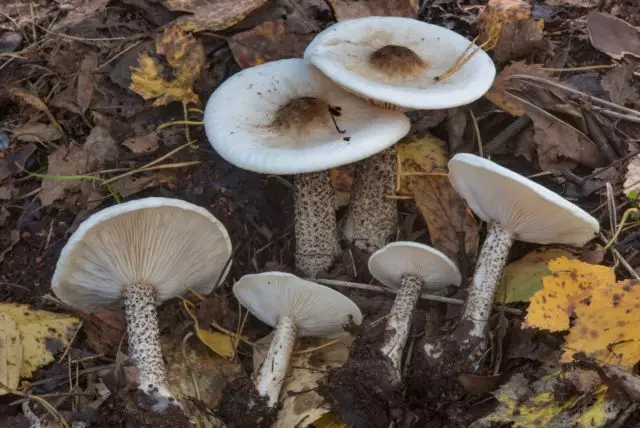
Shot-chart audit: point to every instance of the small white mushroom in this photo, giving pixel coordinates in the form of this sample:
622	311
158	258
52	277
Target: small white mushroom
413	268
516	209
143	252
294	307
285	117
393	62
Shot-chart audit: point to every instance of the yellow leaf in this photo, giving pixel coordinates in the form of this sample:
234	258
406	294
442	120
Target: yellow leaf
220	343
10	353
42	334
606	327
427	154
184	54
329	421
570	283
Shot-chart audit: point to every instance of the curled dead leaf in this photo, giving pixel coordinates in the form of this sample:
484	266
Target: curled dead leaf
37	132
214	15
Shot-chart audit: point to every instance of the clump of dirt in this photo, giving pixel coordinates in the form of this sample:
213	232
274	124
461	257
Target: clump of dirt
115	413
242	407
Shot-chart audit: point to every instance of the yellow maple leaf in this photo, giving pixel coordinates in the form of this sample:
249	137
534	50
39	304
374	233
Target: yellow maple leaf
570	283
184	54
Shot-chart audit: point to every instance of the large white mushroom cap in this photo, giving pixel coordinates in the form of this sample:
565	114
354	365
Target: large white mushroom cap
391	262
168	243
248	124
344	52
529	211
316	310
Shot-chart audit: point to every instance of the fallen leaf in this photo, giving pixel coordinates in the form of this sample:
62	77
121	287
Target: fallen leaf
424	155
612	35
8	192
10	353
184	54
348	9
329	420
100	147
572	3
631	184
268	41
497	93
104	330
522	278
8	162
570	283
212	15
131	185
84	87
452	228
79	11
37	132
64	162
619	84
29	99
42	334
147	143
220	343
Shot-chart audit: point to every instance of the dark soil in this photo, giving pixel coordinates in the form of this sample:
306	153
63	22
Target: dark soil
117	413
242	407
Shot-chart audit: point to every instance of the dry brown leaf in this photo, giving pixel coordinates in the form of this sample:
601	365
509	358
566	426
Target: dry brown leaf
449	221
65	161
7	192
143	143
29	99
267	42
131	185
572	3
78	11
8	162
612	35
212	15
100	147
632	178
619	84
37	132
84	87
348	9
497	94
104	330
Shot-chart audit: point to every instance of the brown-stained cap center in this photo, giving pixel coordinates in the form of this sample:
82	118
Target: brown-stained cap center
301	115
393	60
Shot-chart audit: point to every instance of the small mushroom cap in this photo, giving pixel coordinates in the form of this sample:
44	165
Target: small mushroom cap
343	52
240	115
170	244
316	310
396	259
531	212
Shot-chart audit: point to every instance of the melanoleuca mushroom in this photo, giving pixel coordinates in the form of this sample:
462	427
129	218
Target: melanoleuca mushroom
294	307
285	117
143	252
393	62
516	209
412	268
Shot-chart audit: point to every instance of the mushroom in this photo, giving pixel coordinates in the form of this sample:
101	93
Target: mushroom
294	307
411	267
143	252
285	117
516	209
394	62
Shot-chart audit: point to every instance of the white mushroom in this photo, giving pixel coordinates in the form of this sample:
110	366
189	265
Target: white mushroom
393	62
143	252
411	267
295	307
285	117
517	209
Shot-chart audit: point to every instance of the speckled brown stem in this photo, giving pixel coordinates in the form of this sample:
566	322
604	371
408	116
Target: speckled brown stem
399	320
315	223
275	365
491	262
372	216
144	344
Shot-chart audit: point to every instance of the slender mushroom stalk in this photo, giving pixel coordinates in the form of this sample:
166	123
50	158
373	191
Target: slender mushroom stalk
142	253
411	267
372	216
516	209
315	223
294	307
276	364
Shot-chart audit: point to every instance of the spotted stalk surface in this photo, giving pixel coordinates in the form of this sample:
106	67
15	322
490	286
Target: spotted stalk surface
372	216
399	320
315	223
275	365
491	262
144	344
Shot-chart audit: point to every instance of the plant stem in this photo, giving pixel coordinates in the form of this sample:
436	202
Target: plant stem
275	365
144	344
315	223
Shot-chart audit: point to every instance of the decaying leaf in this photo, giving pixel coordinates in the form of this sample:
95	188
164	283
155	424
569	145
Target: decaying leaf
328	420
64	162
632	177
100	147
572	3
268	41
84	87
570	283
220	343
37	132
612	35
78	11
133	184
41	334
8	163
522	278
104	330
349	9
497	93
10	353
212	15
184	54
424	155
147	143
620	85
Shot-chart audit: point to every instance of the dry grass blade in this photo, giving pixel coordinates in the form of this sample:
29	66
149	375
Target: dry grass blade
461	60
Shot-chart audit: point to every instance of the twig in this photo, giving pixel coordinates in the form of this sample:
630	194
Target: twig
44	403
583	68
506	134
75	333
625	216
183	349
476	130
621	259
118	55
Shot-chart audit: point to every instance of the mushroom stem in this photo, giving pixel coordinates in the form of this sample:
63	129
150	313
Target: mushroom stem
275	365
144	344
491	262
399	319
315	223
372	216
